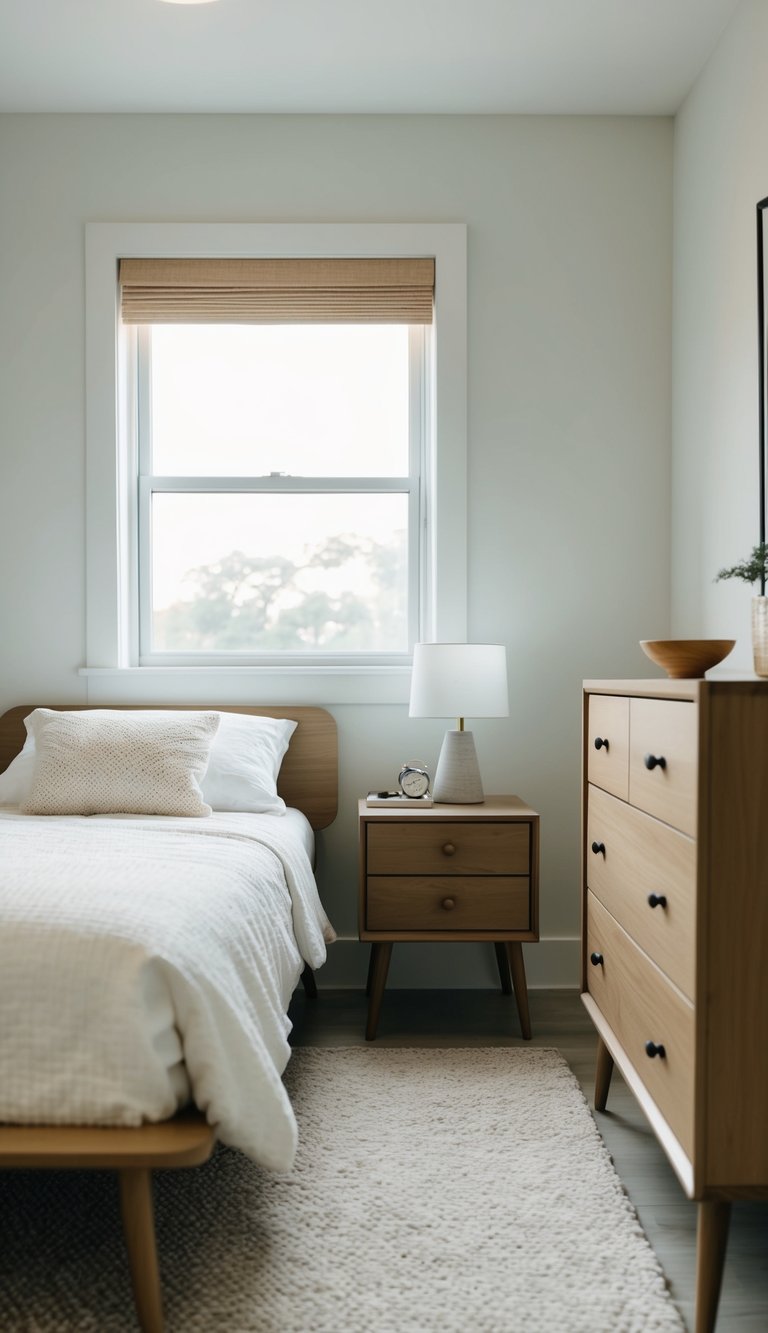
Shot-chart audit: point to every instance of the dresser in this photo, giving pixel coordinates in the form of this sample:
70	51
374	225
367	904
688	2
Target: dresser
675	930
450	873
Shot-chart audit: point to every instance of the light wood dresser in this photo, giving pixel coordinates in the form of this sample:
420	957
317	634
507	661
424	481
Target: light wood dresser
450	873
675	930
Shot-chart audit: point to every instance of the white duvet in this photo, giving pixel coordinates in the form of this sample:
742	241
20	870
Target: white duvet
144	961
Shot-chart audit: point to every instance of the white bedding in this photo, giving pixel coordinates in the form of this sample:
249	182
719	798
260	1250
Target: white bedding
144	960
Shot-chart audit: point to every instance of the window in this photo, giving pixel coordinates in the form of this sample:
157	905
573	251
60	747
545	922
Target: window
189	420
280	488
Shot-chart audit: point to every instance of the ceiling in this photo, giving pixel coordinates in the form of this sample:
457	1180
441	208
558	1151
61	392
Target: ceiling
353	56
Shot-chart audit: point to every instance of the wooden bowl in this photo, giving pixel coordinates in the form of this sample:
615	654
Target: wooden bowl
686	659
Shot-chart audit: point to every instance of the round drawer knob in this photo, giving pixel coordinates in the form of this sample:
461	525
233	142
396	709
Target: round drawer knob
598	847
596	959
449	849
652	761
601	743
652	1050
657	900
448	904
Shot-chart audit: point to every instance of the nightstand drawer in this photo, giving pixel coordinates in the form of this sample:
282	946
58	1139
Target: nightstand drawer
663	760
642	1006
644	872
607	742
433	847
448	903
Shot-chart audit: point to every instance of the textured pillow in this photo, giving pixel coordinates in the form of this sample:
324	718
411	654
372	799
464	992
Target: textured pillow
102	762
245	763
242	772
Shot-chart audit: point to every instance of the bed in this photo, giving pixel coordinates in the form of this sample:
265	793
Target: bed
209	1066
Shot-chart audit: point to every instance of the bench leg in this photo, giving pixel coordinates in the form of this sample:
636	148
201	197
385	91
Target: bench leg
139	1231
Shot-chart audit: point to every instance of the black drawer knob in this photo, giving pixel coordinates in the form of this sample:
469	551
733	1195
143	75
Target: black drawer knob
449	849
596	959
601	743
657	900
652	1049
652	761
598	847
448	904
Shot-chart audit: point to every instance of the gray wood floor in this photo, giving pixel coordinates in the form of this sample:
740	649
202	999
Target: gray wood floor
486	1018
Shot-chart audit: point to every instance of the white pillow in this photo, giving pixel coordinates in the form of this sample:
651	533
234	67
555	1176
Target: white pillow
242	772
245	763
100	762
16	781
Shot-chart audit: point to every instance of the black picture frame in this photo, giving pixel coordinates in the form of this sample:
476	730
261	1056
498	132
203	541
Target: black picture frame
762	223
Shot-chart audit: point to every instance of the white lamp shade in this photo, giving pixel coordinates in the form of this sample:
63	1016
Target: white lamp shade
459	680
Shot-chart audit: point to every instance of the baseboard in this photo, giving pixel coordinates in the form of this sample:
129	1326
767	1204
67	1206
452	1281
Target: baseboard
552	963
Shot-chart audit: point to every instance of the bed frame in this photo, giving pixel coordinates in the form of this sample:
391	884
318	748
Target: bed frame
309	781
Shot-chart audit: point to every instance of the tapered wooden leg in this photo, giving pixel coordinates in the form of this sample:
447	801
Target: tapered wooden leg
139	1231
603	1073
381	956
517	968
309	983
371	961
502	960
711	1243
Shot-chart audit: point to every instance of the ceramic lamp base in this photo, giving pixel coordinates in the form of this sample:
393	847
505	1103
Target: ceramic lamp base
457	780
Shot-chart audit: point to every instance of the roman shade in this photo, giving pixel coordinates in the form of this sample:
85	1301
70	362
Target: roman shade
277	291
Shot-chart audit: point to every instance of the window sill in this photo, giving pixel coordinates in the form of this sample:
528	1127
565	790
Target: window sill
323	685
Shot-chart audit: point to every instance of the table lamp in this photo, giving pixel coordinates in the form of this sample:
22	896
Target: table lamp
459	680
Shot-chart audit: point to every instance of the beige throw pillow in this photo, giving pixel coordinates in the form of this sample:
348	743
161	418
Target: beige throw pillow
101	762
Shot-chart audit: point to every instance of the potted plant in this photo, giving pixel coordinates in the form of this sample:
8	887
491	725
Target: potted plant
750	571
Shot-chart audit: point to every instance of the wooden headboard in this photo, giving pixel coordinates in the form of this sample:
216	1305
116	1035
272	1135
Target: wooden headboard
309	776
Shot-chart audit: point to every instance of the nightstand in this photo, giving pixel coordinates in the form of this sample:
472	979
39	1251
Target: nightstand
450	872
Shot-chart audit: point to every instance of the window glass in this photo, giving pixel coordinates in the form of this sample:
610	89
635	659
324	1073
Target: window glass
307	400
266	572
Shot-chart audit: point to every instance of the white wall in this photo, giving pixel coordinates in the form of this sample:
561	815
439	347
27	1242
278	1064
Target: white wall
569	228
721	171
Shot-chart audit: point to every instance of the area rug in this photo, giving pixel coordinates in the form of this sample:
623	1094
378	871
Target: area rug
461	1190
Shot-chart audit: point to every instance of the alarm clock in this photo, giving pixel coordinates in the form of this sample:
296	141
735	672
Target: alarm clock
413	780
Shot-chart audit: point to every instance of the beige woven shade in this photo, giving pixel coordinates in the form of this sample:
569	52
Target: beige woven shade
277	291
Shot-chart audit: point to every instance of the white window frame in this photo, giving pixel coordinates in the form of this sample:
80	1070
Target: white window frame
112	635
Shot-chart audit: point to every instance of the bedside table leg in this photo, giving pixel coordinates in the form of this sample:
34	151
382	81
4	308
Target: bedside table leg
517	968
380	955
502	959
371	961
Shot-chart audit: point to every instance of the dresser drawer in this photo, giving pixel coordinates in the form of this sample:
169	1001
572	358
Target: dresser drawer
431	847
664	730
607	742
637	857
640	1005
448	902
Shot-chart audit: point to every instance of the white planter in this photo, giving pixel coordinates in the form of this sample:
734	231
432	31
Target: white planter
760	635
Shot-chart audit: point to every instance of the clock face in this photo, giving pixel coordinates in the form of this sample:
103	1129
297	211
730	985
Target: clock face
413	782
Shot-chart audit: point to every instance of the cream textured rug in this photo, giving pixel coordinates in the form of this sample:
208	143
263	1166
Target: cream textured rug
465	1191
